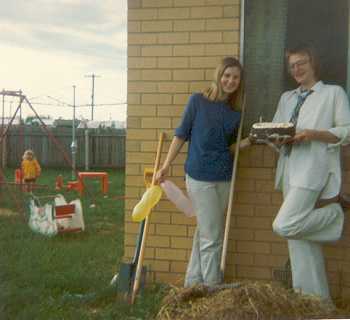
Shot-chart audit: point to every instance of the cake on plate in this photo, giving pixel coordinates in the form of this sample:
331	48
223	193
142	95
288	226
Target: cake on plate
271	131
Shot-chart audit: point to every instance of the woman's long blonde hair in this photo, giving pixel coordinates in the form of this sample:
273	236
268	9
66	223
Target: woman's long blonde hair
215	91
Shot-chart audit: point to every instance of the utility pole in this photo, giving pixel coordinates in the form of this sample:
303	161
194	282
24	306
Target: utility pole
93	76
74	142
10	115
2	130
3	111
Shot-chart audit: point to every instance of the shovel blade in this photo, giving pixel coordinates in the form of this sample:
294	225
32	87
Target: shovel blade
126	277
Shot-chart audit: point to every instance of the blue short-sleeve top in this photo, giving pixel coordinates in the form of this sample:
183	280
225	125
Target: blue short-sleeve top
210	128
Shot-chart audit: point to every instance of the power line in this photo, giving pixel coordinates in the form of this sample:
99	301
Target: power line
104	104
81	105
59	101
49	104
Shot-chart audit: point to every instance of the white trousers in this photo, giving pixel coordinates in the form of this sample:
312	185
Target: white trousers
306	228
209	200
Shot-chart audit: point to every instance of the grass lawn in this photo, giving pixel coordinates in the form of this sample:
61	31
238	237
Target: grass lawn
67	276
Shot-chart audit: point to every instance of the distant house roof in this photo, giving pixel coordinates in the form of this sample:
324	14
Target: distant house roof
35	121
6	120
89	124
63	123
102	124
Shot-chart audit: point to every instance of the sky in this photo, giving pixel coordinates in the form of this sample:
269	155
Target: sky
49	46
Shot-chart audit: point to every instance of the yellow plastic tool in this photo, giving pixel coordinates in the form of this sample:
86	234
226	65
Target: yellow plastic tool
148	176
149	199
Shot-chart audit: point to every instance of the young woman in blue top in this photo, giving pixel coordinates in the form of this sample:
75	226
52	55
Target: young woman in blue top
209	124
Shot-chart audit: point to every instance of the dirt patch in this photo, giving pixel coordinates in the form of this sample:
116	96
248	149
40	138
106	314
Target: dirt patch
242	301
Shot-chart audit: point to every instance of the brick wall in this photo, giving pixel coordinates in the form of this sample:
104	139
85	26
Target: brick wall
173	48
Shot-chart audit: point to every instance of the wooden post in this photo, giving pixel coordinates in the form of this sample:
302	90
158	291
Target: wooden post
232	191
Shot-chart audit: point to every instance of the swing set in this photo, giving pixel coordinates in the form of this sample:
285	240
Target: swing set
62	211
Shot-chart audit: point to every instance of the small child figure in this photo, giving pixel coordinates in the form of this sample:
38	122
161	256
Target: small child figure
30	169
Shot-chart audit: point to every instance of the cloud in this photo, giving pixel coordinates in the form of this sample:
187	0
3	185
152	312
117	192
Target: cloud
41	75
47	46
90	14
96	29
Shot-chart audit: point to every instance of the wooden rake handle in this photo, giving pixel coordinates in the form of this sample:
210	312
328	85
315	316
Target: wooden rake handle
146	226
232	191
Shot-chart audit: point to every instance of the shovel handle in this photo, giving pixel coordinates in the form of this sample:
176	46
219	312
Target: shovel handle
146	226
138	243
232	191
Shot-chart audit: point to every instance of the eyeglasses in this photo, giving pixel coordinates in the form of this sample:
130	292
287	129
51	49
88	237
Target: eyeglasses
298	64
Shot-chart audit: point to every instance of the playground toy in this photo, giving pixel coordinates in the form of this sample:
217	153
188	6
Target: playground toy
103	176
57	216
18	176
18	181
68	216
71	185
78	185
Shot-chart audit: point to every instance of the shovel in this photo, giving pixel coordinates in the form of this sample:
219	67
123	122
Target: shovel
138	273
126	274
133	275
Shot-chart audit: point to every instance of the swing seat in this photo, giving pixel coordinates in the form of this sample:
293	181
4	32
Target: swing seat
65	211
68	216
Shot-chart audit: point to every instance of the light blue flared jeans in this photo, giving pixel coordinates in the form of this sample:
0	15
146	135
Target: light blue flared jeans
209	200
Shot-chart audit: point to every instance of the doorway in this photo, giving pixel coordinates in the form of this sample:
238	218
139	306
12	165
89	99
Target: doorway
271	26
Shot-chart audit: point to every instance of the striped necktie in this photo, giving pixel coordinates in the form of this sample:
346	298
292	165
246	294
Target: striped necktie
294	118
